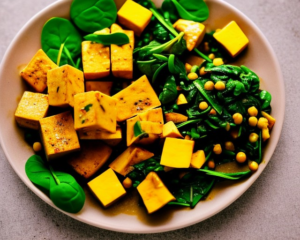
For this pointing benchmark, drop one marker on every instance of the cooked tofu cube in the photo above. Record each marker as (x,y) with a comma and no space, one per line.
(134,16)
(181,100)
(154,193)
(193,32)
(122,56)
(131,139)
(176,117)
(152,115)
(35,73)
(123,164)
(103,87)
(198,159)
(177,153)
(232,38)
(90,159)
(170,130)
(136,98)
(31,108)
(95,111)
(58,135)
(151,127)
(95,59)
(107,188)
(63,84)
(112,139)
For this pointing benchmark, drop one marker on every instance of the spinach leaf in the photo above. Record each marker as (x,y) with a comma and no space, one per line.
(61,187)
(163,21)
(158,72)
(148,67)
(250,79)
(93,15)
(265,99)
(194,10)
(190,189)
(59,37)
(229,176)
(201,89)
(169,11)
(109,38)
(237,87)
(142,169)
(169,92)
(160,33)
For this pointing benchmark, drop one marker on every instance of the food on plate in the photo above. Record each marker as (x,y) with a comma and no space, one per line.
(157,102)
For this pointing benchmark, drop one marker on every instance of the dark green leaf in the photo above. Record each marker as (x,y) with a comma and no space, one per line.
(109,38)
(265,98)
(194,10)
(229,176)
(93,15)
(169,92)
(58,36)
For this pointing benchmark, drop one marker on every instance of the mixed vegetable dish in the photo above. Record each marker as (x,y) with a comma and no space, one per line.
(140,99)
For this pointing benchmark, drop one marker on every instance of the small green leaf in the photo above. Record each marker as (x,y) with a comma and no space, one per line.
(87,107)
(108,38)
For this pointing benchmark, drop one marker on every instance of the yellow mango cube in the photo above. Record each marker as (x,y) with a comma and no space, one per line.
(152,127)
(198,159)
(31,108)
(232,38)
(123,164)
(112,139)
(193,32)
(103,87)
(154,193)
(95,59)
(136,98)
(134,16)
(177,153)
(122,56)
(170,130)
(58,135)
(181,100)
(90,159)
(107,188)
(175,117)
(63,83)
(95,111)
(152,115)
(35,73)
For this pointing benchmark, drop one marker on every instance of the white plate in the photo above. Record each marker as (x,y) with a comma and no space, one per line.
(259,57)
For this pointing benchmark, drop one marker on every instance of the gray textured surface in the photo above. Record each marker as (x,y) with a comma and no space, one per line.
(270,209)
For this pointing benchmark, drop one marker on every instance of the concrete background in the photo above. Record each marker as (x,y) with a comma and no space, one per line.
(270,209)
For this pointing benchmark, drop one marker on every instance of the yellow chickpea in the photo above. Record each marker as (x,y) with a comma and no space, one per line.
(237,118)
(37,147)
(203,106)
(252,121)
(253,137)
(192,76)
(211,164)
(218,61)
(209,86)
(187,137)
(229,146)
(262,123)
(127,183)
(220,86)
(202,71)
(213,112)
(253,166)
(217,149)
(252,111)
(241,157)
(188,67)
(211,56)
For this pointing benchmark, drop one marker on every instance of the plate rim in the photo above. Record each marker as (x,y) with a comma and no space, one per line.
(250,181)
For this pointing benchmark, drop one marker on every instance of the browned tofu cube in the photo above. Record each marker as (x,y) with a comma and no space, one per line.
(90,159)
(58,135)
(35,73)
(103,87)
(31,108)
